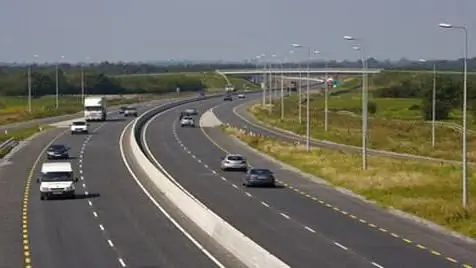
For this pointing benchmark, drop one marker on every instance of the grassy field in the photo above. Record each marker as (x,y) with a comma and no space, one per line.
(213,80)
(430,191)
(396,126)
(20,135)
(15,109)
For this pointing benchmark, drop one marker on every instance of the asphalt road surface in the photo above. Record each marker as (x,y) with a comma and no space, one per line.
(304,223)
(111,223)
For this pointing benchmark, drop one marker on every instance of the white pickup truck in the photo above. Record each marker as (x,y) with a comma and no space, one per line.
(57,179)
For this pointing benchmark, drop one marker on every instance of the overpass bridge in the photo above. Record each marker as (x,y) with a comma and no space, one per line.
(298,70)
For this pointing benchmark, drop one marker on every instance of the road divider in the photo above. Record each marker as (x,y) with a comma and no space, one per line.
(243,248)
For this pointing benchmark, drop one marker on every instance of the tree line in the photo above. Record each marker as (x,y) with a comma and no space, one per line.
(43,82)
(122,68)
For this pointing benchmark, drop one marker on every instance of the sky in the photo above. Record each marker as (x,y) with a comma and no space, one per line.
(149,30)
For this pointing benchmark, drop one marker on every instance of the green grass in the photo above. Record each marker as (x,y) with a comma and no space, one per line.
(15,109)
(213,80)
(389,128)
(427,190)
(19,135)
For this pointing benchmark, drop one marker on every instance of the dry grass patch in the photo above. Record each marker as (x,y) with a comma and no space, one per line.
(430,191)
(411,137)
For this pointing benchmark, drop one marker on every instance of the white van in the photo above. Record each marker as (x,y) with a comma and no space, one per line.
(57,179)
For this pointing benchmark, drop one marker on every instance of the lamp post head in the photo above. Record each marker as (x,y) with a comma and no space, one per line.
(349,38)
(422,60)
(445,25)
(296,45)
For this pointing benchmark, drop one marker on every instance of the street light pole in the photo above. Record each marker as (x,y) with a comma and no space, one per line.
(364,99)
(433,109)
(326,100)
(308,87)
(29,88)
(464,153)
(282,91)
(57,83)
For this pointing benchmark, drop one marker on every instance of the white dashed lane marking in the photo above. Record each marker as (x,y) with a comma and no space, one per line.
(90,203)
(340,246)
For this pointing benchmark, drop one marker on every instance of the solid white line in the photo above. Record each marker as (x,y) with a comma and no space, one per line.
(110,243)
(166,214)
(121,261)
(95,214)
(284,215)
(101,227)
(341,246)
(264,204)
(309,229)
(377,265)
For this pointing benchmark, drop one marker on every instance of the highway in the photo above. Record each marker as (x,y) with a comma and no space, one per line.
(303,223)
(111,223)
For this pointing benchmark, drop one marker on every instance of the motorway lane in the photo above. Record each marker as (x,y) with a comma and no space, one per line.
(64,233)
(13,173)
(365,241)
(409,233)
(283,237)
(115,225)
(141,233)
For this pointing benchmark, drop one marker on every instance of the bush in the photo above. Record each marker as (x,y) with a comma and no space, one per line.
(372,107)
(442,110)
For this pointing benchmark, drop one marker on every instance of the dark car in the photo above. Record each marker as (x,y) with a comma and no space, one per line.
(57,151)
(228,98)
(259,177)
(130,111)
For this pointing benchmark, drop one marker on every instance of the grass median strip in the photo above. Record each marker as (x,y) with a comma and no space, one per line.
(15,109)
(385,133)
(430,191)
(19,135)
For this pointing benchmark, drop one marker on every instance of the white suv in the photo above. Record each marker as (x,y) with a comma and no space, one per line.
(79,127)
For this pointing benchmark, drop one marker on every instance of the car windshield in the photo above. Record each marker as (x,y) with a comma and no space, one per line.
(93,109)
(187,118)
(57,176)
(79,123)
(260,172)
(236,158)
(57,147)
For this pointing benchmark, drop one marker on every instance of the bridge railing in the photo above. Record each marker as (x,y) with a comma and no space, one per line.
(297,70)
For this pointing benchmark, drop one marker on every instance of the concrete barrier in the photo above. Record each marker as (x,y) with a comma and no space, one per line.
(246,250)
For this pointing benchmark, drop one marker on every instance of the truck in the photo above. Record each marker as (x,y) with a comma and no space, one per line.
(95,109)
(229,88)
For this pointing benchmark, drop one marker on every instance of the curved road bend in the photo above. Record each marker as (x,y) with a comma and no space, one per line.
(409,233)
(362,240)
(115,225)
(282,236)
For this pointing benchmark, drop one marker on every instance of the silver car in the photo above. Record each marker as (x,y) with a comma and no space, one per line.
(187,122)
(234,162)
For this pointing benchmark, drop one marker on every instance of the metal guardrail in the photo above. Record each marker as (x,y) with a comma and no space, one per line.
(7,145)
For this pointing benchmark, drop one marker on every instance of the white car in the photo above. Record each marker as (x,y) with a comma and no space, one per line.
(187,122)
(79,127)
(57,179)
(241,96)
